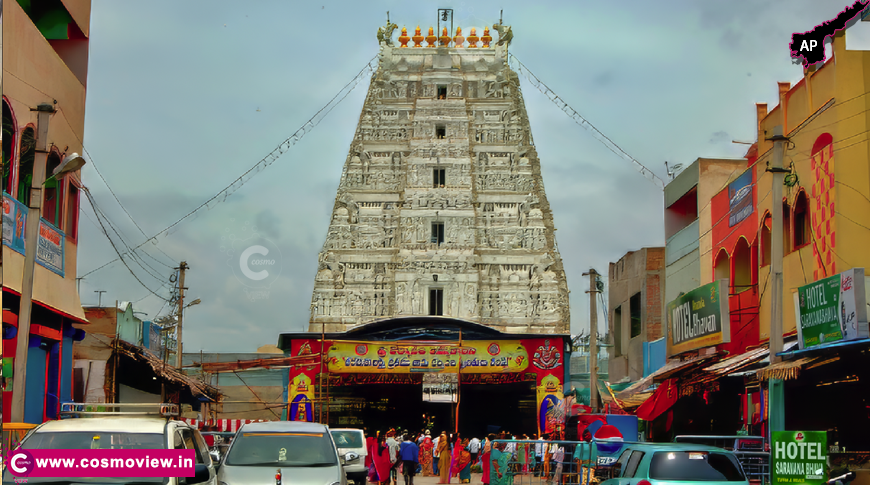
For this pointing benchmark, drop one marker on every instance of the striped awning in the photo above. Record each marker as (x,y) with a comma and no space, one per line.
(785,370)
(230,425)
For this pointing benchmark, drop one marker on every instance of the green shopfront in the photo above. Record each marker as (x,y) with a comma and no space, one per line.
(827,376)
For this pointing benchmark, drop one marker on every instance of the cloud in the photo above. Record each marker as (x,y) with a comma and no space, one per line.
(171,119)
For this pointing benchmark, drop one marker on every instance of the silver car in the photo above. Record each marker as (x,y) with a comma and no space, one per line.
(352,441)
(283,452)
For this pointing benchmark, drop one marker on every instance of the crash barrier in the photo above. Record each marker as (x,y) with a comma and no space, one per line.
(537,462)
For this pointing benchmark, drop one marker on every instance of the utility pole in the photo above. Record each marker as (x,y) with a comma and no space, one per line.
(99,297)
(31,232)
(181,268)
(79,286)
(776,243)
(775,386)
(593,339)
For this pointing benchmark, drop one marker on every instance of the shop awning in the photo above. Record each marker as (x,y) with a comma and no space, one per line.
(675,369)
(864,342)
(732,365)
(169,373)
(787,369)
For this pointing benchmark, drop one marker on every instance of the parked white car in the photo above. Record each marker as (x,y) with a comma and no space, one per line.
(352,440)
(283,452)
(120,431)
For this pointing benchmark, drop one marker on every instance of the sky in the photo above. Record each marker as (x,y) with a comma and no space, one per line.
(183,97)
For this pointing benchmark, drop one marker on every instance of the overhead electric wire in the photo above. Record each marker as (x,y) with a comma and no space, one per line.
(583,122)
(269,159)
(145,266)
(93,164)
(103,228)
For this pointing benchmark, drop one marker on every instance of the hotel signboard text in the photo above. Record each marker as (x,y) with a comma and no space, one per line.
(699,318)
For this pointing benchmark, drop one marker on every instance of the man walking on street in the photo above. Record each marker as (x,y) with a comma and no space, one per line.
(410,455)
(435,454)
(474,449)
(393,445)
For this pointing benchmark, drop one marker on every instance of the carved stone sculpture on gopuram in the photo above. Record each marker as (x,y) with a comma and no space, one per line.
(441,207)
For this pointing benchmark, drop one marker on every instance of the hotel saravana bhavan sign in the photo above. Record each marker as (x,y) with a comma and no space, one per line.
(798,457)
(699,318)
(832,309)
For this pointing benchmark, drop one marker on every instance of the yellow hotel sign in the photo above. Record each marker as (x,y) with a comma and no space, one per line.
(474,357)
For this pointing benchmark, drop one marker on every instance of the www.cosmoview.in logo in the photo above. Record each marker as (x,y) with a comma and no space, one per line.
(20,463)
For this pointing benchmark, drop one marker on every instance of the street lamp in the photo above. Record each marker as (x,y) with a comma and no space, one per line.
(178,344)
(70,163)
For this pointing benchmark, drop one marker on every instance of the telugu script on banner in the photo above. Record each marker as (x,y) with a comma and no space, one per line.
(472,357)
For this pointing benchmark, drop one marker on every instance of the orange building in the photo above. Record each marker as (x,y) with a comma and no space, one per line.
(45,59)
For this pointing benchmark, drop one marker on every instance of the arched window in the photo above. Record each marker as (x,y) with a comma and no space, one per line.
(786,228)
(765,240)
(25,164)
(801,220)
(52,193)
(721,268)
(741,261)
(9,135)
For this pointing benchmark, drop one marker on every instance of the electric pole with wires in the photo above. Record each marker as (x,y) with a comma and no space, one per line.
(593,338)
(181,268)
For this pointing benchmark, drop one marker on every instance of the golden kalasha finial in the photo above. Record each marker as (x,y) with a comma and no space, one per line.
(418,38)
(473,38)
(445,37)
(403,39)
(431,39)
(458,39)
(486,37)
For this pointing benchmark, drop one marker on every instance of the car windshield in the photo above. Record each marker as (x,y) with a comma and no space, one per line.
(87,440)
(282,449)
(695,466)
(347,439)
(93,440)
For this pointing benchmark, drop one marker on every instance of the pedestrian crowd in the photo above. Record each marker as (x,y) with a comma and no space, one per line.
(501,457)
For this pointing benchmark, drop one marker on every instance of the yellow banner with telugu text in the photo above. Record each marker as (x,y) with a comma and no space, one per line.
(473,357)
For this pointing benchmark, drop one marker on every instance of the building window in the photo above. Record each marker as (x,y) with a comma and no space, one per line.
(765,240)
(440,132)
(439,177)
(436,301)
(25,164)
(52,193)
(438,233)
(742,273)
(634,308)
(9,137)
(442,91)
(801,221)
(617,331)
(786,228)
(721,269)
(72,211)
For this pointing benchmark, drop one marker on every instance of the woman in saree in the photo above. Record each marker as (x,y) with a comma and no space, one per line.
(485,463)
(426,456)
(381,460)
(523,456)
(454,458)
(500,473)
(444,458)
(464,464)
